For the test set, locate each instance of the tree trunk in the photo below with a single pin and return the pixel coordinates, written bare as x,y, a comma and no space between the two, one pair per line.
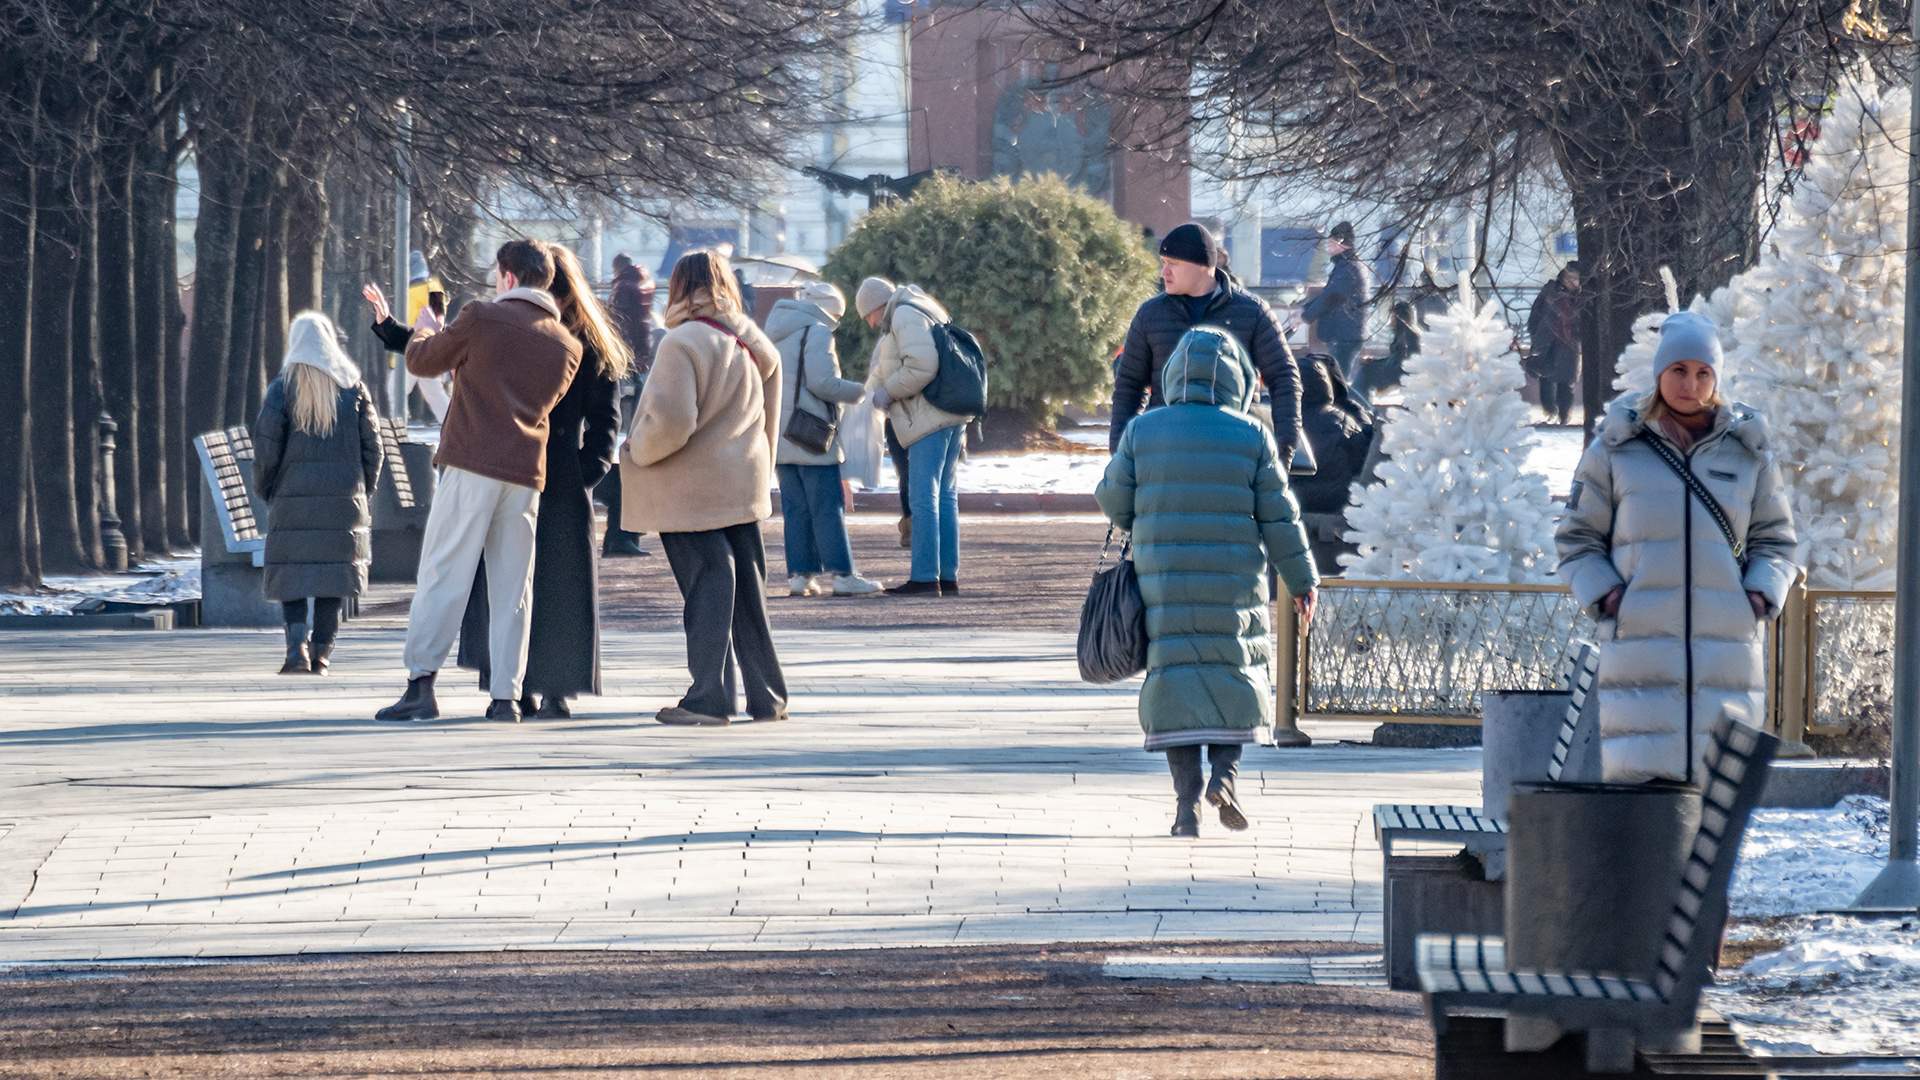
221,185
274,313
85,370
153,296
243,346
307,244
182,496
56,259
19,556
123,361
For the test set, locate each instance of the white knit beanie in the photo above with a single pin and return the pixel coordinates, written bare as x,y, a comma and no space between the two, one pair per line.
874,294
823,295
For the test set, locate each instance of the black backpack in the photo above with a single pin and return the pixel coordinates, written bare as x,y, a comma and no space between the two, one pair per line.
960,385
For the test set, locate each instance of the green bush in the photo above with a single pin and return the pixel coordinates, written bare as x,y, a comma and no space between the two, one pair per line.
1047,277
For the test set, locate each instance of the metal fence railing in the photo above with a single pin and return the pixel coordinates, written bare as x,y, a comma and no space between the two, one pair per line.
1423,652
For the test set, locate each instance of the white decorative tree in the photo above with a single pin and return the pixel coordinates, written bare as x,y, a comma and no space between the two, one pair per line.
1455,501
1819,350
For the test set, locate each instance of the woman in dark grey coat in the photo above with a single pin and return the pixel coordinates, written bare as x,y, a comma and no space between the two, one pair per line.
316,463
563,654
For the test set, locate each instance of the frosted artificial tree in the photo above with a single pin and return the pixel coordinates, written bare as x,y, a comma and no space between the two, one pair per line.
1819,351
1455,501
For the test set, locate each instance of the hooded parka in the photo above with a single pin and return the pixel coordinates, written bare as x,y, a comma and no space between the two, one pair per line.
1199,485
905,362
791,324
1686,647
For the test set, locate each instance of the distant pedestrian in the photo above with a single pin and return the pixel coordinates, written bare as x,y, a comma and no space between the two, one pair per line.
905,362
1341,431
563,651
316,462
698,470
512,360
1338,311
1683,577
1195,292
1553,335
631,304
812,500
1403,344
1429,299
1203,490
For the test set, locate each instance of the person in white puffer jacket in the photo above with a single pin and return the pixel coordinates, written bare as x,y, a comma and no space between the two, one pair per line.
1682,607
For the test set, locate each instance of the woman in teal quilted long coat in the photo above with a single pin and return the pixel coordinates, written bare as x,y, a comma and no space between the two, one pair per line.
1199,485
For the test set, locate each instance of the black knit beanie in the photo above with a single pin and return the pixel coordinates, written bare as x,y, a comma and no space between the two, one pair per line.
1191,243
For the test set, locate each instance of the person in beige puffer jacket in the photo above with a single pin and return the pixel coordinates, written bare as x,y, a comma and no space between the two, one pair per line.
1682,613
698,470
904,363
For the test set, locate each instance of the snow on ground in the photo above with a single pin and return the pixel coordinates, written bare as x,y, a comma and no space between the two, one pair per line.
160,581
1839,985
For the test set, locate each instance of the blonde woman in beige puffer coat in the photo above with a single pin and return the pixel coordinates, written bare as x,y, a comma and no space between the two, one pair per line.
1682,610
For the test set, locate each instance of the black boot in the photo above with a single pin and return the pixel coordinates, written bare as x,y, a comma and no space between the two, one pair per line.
416,704
528,706
1220,790
322,656
554,707
298,662
505,710
1184,763
949,587
621,544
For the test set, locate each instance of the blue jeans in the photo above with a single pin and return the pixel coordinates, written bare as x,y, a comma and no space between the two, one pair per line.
933,467
815,511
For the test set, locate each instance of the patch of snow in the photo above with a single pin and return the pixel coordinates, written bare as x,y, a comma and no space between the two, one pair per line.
1058,473
1794,862
1839,985
160,581
1557,456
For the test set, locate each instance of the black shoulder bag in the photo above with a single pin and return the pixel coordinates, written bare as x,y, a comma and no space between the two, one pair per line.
1113,621
1714,509
810,431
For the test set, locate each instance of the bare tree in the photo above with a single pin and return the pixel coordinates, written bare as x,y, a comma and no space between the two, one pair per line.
1661,116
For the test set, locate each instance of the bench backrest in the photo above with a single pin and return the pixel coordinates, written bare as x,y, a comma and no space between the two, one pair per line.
393,432
221,456
1580,681
1736,771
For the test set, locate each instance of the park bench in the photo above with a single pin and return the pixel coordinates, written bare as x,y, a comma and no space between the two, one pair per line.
233,546
1460,892
1621,1015
400,504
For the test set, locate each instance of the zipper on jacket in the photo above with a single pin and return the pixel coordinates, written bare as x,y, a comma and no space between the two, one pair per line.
1686,514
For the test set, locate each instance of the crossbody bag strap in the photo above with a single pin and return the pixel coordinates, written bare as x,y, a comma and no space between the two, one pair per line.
1699,490
727,330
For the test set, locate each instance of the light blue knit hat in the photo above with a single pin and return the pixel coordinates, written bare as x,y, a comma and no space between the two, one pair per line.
1686,335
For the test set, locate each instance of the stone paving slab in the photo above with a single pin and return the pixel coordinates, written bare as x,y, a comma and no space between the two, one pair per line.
167,796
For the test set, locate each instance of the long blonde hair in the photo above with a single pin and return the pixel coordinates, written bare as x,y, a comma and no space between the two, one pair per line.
705,271
584,315
313,399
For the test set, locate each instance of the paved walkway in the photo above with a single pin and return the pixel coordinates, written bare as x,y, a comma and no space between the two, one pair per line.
162,797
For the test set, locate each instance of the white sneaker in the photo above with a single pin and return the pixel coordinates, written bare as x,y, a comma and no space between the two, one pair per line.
855,585
804,585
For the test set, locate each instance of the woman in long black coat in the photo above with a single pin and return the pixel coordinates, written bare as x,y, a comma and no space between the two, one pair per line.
316,461
563,655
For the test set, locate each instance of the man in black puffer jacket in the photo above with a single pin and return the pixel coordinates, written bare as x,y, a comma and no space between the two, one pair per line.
1197,293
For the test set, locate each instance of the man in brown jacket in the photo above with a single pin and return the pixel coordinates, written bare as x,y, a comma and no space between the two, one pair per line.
512,361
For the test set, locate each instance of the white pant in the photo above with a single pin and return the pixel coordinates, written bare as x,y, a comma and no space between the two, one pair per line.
471,516
434,392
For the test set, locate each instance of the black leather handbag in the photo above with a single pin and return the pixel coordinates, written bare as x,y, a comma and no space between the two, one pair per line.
810,431
1113,621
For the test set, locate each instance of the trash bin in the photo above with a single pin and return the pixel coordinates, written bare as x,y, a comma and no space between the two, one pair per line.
1517,732
1591,873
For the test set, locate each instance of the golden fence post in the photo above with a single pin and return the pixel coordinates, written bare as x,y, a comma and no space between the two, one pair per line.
1286,679
1795,687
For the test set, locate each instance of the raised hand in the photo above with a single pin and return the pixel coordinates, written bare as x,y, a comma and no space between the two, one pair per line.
376,300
